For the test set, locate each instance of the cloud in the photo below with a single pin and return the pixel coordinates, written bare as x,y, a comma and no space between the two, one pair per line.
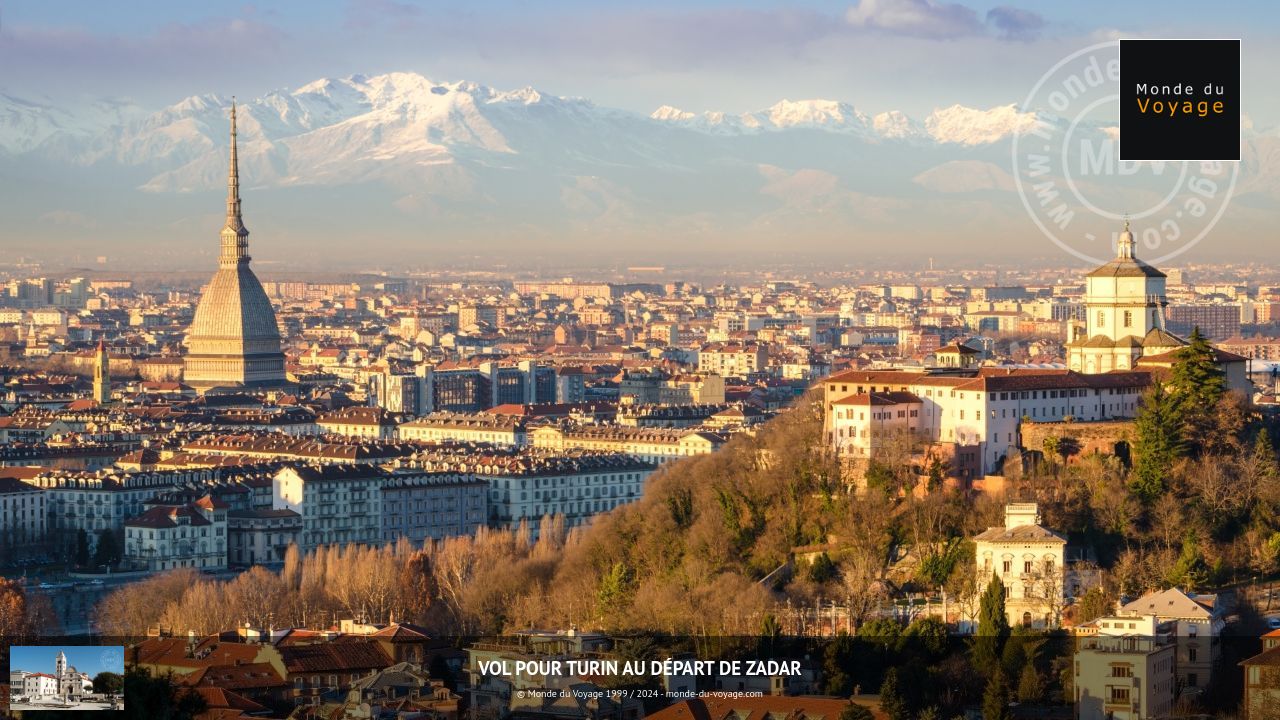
917,18
1013,23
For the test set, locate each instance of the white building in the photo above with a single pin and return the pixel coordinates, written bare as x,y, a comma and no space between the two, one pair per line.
359,422
1125,671
577,487
1197,623
974,414
339,504
1028,559
168,536
38,685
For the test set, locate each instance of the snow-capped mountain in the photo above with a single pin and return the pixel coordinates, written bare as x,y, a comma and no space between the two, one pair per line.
464,158
359,128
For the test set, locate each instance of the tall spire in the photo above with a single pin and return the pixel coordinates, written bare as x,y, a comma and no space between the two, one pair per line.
235,236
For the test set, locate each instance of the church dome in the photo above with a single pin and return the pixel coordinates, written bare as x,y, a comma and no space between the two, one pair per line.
1125,263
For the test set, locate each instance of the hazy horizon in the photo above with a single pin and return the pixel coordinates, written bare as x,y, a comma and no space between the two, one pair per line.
137,180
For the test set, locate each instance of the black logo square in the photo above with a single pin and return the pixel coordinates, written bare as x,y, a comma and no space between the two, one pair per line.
1179,99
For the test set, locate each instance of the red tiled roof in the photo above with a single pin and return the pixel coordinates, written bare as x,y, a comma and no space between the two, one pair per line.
327,657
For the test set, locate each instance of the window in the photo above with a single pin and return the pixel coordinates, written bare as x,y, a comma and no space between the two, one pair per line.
1008,565
1122,671
1119,694
1128,318
1102,317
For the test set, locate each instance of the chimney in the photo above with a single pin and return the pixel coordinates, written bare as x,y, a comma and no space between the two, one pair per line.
191,643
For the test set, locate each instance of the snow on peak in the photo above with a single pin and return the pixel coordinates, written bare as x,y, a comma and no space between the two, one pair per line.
814,113
668,113
895,125
970,126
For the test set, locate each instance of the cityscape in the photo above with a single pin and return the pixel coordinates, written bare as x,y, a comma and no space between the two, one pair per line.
500,477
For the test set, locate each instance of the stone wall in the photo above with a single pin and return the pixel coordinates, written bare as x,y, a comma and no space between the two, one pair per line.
1111,437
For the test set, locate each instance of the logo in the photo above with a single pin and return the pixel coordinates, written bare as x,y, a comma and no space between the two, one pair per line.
1180,99
111,658
1071,180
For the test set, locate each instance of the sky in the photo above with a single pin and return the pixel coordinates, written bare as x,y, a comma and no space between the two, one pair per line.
909,55
90,659
913,56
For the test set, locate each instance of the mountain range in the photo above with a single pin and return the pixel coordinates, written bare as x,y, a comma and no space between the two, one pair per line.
412,164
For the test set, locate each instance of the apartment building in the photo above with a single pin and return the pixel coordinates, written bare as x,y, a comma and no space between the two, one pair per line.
649,444
576,486
427,506
1126,670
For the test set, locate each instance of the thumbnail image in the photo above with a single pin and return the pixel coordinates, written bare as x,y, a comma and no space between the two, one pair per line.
49,677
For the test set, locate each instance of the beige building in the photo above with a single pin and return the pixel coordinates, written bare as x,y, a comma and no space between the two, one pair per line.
359,422
1029,560
649,444
732,359
508,430
1262,680
1125,671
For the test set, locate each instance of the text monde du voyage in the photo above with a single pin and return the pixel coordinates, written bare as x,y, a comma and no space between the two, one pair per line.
1179,99
637,668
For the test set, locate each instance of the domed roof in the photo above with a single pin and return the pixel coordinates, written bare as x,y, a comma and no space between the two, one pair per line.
1125,263
235,308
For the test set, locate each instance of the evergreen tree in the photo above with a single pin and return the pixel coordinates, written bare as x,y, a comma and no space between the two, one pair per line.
1030,688
1190,571
1198,384
82,548
995,700
1196,377
615,588
893,701
108,551
993,626
1159,427
821,570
